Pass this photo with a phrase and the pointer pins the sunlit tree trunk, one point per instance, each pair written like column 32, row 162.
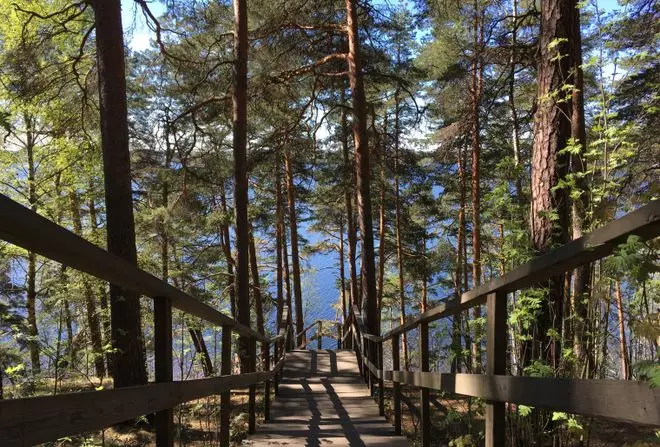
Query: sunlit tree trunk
column 552, row 130
column 129, row 364
column 381, row 145
column 399, row 242
column 579, row 205
column 475, row 93
column 351, row 233
column 31, row 279
column 229, row 258
column 256, row 283
column 342, row 270
column 295, row 257
column 239, row 127
column 623, row 346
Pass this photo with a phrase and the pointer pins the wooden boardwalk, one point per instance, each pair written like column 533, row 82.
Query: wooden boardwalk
column 323, row 401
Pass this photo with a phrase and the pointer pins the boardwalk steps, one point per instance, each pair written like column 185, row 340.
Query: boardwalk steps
column 324, row 401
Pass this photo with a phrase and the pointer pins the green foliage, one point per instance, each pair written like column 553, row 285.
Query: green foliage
column 648, row 371
column 539, row 369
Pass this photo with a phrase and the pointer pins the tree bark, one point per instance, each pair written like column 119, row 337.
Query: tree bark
column 381, row 145
column 476, row 91
column 229, row 259
column 342, row 271
column 515, row 122
column 351, row 234
column 623, row 346
column 129, row 366
column 552, row 129
column 579, row 205
column 295, row 258
column 31, row 298
column 239, row 126
column 279, row 230
column 399, row 242
column 256, row 284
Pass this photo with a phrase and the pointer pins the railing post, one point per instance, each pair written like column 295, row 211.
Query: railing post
column 496, row 339
column 339, row 334
column 276, row 377
column 252, row 416
column 266, row 355
column 320, row 335
column 396, row 385
column 381, row 384
column 163, row 366
column 425, row 415
column 225, row 398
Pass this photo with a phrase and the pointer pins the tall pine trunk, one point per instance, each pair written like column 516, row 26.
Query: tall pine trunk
column 381, row 145
column 363, row 177
column 256, row 284
column 342, row 271
column 579, row 205
column 295, row 258
column 351, row 234
column 552, row 130
column 239, row 127
column 129, row 364
column 279, row 230
column 31, row 297
column 229, row 259
column 399, row 242
column 475, row 91
column 623, row 346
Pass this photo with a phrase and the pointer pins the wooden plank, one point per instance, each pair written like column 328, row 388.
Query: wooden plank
column 163, row 366
column 25, row 422
column 644, row 222
column 225, row 398
column 27, row 229
column 621, row 400
column 425, row 411
column 396, row 386
column 496, row 338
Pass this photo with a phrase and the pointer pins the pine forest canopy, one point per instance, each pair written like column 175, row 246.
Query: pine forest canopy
column 317, row 155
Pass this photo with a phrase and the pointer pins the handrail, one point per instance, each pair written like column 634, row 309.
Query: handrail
column 643, row 222
column 40, row 419
column 45, row 418
column 621, row 400
column 307, row 328
column 27, row 229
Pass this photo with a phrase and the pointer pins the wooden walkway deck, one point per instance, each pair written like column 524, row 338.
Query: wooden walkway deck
column 323, row 401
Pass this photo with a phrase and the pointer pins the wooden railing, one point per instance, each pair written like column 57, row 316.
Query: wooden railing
column 319, row 334
column 615, row 399
column 46, row 418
